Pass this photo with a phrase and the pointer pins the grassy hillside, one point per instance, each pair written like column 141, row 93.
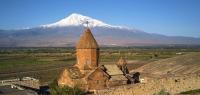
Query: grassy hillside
column 185, row 64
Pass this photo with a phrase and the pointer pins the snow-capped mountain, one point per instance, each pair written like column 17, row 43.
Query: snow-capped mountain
column 79, row 20
column 67, row 31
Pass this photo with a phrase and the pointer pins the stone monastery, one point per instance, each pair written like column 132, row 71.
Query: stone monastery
column 88, row 73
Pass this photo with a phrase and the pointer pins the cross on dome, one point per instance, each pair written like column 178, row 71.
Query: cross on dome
column 85, row 22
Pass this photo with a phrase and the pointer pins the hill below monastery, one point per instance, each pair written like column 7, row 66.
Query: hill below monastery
column 184, row 64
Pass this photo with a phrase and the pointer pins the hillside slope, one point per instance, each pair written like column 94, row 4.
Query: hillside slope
column 184, row 64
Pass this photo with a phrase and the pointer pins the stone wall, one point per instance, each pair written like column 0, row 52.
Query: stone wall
column 173, row 85
column 25, row 81
column 87, row 58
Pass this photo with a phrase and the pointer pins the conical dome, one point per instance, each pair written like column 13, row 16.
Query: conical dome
column 87, row 41
column 121, row 62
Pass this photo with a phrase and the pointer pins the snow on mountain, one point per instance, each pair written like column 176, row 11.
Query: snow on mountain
column 67, row 31
column 79, row 20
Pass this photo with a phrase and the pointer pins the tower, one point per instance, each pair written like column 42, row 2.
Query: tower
column 122, row 64
column 87, row 51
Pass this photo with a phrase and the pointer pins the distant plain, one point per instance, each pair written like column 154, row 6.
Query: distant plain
column 46, row 63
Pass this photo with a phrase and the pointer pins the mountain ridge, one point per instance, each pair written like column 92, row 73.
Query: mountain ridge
column 67, row 31
column 76, row 19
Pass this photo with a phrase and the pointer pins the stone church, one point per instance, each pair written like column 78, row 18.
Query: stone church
column 87, row 72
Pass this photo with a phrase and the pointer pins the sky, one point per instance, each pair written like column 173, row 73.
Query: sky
column 168, row 17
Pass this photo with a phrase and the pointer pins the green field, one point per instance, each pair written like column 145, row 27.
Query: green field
column 46, row 63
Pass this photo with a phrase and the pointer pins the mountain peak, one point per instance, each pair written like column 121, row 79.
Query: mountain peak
column 76, row 15
column 76, row 19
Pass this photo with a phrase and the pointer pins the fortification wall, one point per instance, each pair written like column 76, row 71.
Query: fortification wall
column 173, row 85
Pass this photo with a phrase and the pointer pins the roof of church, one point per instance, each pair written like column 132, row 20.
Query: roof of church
column 87, row 41
column 73, row 72
column 92, row 74
column 113, row 70
column 118, row 77
column 121, row 61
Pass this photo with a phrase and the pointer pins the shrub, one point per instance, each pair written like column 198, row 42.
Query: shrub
column 66, row 90
column 162, row 92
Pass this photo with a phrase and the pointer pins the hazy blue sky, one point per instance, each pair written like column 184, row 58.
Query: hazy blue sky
column 169, row 17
